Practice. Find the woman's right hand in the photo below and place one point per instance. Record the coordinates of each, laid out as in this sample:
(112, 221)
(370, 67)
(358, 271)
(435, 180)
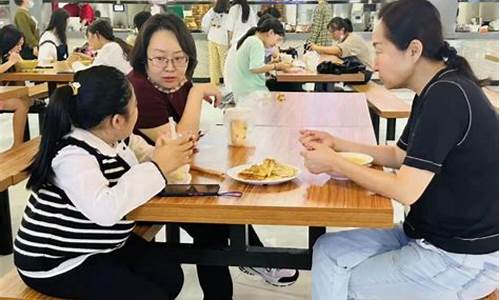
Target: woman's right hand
(170, 154)
(308, 137)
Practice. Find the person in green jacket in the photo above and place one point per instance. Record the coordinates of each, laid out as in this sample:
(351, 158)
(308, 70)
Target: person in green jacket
(25, 22)
(321, 17)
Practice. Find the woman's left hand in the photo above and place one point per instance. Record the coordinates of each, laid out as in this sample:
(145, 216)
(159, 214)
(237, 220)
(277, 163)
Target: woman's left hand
(208, 91)
(320, 159)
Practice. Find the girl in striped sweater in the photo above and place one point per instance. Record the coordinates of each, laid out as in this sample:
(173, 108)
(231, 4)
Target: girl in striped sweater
(90, 171)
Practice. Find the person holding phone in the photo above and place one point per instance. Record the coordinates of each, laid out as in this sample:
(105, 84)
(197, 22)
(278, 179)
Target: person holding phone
(89, 173)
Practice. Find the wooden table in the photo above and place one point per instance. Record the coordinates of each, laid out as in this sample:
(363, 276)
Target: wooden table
(8, 92)
(311, 200)
(313, 109)
(307, 76)
(492, 57)
(41, 75)
(12, 171)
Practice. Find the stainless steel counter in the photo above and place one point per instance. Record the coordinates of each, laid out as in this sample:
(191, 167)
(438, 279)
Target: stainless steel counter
(304, 36)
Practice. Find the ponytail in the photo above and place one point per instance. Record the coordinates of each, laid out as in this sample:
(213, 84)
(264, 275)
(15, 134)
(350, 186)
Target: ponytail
(265, 24)
(408, 20)
(245, 9)
(250, 32)
(97, 93)
(126, 48)
(104, 29)
(57, 125)
(455, 61)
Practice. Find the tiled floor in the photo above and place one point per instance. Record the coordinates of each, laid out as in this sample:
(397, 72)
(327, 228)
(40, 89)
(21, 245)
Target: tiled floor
(246, 287)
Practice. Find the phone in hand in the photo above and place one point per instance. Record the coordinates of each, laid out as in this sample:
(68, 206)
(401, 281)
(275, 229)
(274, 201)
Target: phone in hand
(188, 190)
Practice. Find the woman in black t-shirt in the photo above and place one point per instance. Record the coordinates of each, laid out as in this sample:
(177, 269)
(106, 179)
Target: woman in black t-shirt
(448, 161)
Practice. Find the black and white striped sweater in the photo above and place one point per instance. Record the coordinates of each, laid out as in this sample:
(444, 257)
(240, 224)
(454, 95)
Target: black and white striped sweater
(53, 230)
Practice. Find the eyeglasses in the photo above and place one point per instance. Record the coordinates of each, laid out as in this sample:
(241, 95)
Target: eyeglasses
(162, 62)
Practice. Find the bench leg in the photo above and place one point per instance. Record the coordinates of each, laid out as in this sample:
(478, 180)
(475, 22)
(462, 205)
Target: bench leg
(375, 123)
(391, 130)
(5, 224)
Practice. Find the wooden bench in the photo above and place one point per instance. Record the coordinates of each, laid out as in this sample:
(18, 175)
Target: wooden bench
(383, 104)
(36, 92)
(12, 165)
(12, 287)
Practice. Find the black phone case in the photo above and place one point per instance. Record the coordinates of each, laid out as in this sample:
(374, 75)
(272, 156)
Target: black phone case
(190, 190)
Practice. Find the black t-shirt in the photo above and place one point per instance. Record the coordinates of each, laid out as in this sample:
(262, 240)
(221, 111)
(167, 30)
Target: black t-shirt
(453, 132)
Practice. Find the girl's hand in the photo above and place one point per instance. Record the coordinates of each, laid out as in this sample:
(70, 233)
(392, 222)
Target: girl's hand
(207, 92)
(309, 137)
(170, 154)
(320, 159)
(283, 66)
(14, 58)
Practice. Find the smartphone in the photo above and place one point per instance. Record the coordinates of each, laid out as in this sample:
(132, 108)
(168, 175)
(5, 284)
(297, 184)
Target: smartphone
(186, 190)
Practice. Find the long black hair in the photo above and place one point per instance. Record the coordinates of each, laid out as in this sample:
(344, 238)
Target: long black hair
(168, 22)
(9, 37)
(140, 18)
(273, 11)
(58, 22)
(221, 6)
(339, 23)
(103, 28)
(245, 8)
(264, 25)
(408, 20)
(104, 91)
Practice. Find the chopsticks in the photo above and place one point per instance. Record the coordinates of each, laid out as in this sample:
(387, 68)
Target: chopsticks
(208, 171)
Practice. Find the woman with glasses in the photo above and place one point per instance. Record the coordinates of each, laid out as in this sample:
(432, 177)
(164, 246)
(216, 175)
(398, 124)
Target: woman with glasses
(164, 59)
(347, 42)
(111, 51)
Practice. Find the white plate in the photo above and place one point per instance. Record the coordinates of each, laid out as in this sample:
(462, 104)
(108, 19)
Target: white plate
(364, 158)
(233, 173)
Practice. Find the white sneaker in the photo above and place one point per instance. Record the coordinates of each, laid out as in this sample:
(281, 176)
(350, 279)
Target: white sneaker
(273, 276)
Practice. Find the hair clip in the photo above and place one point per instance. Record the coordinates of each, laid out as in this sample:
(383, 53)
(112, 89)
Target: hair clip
(75, 86)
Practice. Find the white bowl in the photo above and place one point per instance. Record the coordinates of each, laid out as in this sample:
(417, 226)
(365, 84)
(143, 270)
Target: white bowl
(354, 157)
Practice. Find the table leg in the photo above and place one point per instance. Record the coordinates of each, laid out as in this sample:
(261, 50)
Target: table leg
(391, 130)
(51, 87)
(238, 237)
(5, 224)
(376, 123)
(172, 233)
(314, 234)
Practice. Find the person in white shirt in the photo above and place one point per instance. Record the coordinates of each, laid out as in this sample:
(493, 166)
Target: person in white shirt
(213, 24)
(240, 19)
(52, 46)
(90, 172)
(111, 51)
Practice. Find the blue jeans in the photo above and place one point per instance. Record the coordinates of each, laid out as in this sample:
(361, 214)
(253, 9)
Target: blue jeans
(386, 264)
